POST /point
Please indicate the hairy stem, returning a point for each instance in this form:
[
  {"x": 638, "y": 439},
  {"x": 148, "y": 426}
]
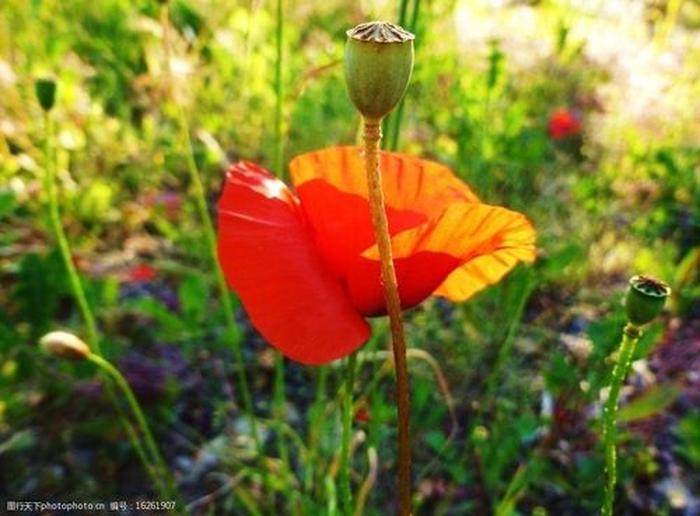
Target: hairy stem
[
  {"x": 630, "y": 337},
  {"x": 372, "y": 139},
  {"x": 345, "y": 462}
]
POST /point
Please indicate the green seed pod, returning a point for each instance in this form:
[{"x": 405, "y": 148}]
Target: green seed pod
[
  {"x": 45, "y": 90},
  {"x": 378, "y": 65},
  {"x": 64, "y": 345},
  {"x": 645, "y": 299}
]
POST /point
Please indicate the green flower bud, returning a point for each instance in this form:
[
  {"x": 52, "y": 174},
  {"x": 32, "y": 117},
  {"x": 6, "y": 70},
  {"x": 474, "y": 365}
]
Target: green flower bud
[
  {"x": 64, "y": 345},
  {"x": 645, "y": 299},
  {"x": 378, "y": 65},
  {"x": 45, "y": 90}
]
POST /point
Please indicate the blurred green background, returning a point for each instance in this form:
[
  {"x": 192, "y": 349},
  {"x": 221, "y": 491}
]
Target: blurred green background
[{"x": 523, "y": 363}]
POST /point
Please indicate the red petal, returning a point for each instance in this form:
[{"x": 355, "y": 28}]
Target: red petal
[
  {"x": 342, "y": 225},
  {"x": 269, "y": 259},
  {"x": 417, "y": 276}
]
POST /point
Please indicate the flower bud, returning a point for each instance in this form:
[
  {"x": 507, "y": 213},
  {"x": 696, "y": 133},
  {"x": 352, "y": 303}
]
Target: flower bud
[
  {"x": 645, "y": 299},
  {"x": 378, "y": 65},
  {"x": 45, "y": 90},
  {"x": 64, "y": 345}
]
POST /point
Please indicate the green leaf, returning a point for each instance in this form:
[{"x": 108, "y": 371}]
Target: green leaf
[
  {"x": 18, "y": 441},
  {"x": 160, "y": 313},
  {"x": 193, "y": 294},
  {"x": 8, "y": 203},
  {"x": 652, "y": 402},
  {"x": 689, "y": 433}
]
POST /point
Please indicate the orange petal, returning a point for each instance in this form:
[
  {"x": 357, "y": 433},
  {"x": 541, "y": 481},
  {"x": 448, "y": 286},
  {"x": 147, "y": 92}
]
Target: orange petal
[
  {"x": 270, "y": 260},
  {"x": 410, "y": 184},
  {"x": 487, "y": 242}
]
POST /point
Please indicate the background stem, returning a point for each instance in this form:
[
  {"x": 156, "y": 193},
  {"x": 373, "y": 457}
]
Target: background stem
[
  {"x": 630, "y": 337},
  {"x": 79, "y": 294},
  {"x": 372, "y": 139},
  {"x": 210, "y": 237},
  {"x": 279, "y": 390},
  {"x": 121, "y": 382},
  {"x": 315, "y": 428},
  {"x": 345, "y": 461}
]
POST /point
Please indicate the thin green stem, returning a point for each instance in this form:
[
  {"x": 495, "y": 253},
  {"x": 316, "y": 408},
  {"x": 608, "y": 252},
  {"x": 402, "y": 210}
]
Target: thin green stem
[
  {"x": 345, "y": 460},
  {"x": 403, "y": 8},
  {"x": 280, "y": 408},
  {"x": 121, "y": 382},
  {"x": 279, "y": 391},
  {"x": 62, "y": 240},
  {"x": 630, "y": 337},
  {"x": 505, "y": 350},
  {"x": 210, "y": 237},
  {"x": 315, "y": 429},
  {"x": 279, "y": 92},
  {"x": 79, "y": 293},
  {"x": 393, "y": 125}
]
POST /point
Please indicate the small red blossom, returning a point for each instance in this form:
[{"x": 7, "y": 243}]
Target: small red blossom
[
  {"x": 142, "y": 273},
  {"x": 563, "y": 124},
  {"x": 362, "y": 415},
  {"x": 305, "y": 264}
]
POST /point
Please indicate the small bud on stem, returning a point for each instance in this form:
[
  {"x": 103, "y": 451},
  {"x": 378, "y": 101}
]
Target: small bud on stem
[
  {"x": 45, "y": 90},
  {"x": 64, "y": 345}
]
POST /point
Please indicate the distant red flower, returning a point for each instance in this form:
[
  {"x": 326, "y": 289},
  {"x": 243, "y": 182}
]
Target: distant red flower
[
  {"x": 563, "y": 124},
  {"x": 362, "y": 415},
  {"x": 306, "y": 266},
  {"x": 142, "y": 273}
]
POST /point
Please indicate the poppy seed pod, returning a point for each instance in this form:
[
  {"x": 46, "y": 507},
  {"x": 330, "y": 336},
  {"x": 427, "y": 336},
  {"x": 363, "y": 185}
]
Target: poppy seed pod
[
  {"x": 45, "y": 90},
  {"x": 645, "y": 299},
  {"x": 378, "y": 65},
  {"x": 64, "y": 345}
]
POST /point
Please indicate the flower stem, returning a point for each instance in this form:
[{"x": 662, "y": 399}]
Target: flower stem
[
  {"x": 62, "y": 240},
  {"x": 279, "y": 391},
  {"x": 630, "y": 337},
  {"x": 121, "y": 382},
  {"x": 279, "y": 411},
  {"x": 372, "y": 139},
  {"x": 315, "y": 429},
  {"x": 279, "y": 92},
  {"x": 79, "y": 293},
  {"x": 345, "y": 462},
  {"x": 210, "y": 237},
  {"x": 393, "y": 125}
]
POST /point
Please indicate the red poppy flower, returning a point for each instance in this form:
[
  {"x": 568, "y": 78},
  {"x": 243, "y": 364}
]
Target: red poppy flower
[
  {"x": 563, "y": 124},
  {"x": 306, "y": 266},
  {"x": 142, "y": 273}
]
